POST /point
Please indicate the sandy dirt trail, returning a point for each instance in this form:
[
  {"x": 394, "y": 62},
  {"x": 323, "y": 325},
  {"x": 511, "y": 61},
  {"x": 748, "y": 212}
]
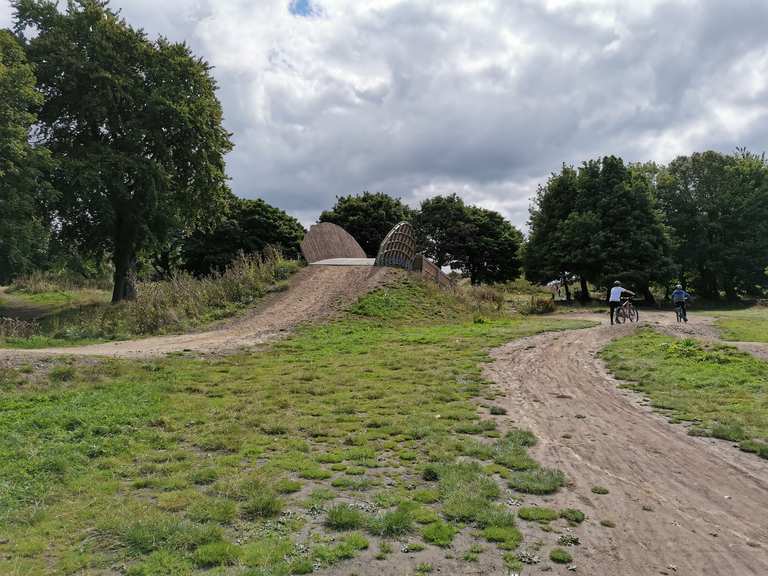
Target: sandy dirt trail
[
  {"x": 314, "y": 293},
  {"x": 682, "y": 505}
]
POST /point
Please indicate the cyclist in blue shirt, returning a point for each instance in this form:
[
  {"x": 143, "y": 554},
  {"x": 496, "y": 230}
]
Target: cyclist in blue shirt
[{"x": 679, "y": 298}]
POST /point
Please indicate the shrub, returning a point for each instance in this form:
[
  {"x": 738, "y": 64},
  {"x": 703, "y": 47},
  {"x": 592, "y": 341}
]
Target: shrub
[
  {"x": 560, "y": 556},
  {"x": 13, "y": 328},
  {"x": 538, "y": 305}
]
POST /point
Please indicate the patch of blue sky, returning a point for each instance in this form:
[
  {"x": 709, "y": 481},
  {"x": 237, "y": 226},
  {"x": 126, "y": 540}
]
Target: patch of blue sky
[{"x": 301, "y": 8}]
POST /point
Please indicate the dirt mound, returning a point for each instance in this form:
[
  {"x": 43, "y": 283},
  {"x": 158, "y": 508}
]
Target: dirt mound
[
  {"x": 314, "y": 293},
  {"x": 680, "y": 504}
]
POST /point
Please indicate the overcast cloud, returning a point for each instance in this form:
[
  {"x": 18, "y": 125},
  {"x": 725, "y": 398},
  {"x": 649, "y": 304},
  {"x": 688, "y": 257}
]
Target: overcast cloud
[{"x": 480, "y": 97}]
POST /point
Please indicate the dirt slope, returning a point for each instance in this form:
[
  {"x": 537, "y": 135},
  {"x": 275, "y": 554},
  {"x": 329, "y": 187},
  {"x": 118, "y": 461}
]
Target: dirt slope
[
  {"x": 682, "y": 505},
  {"x": 315, "y": 293}
]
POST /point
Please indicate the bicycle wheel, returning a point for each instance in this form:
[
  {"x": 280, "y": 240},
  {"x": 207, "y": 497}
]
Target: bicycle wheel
[
  {"x": 620, "y": 315},
  {"x": 679, "y": 313},
  {"x": 634, "y": 314}
]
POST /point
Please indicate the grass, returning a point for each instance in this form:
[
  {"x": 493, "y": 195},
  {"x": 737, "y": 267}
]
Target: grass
[
  {"x": 748, "y": 325},
  {"x": 537, "y": 514},
  {"x": 178, "y": 304},
  {"x": 718, "y": 389},
  {"x": 560, "y": 556},
  {"x": 180, "y": 466}
]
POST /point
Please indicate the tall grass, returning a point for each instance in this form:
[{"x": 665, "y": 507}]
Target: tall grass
[
  {"x": 180, "y": 303},
  {"x": 40, "y": 282}
]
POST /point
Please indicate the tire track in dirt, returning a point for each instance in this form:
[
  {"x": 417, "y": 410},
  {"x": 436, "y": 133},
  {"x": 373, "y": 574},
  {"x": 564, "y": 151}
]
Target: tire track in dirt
[
  {"x": 682, "y": 505},
  {"x": 314, "y": 293}
]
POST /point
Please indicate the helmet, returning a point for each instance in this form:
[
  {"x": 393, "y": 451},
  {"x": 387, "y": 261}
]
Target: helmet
[
  {"x": 679, "y": 286},
  {"x": 617, "y": 283}
]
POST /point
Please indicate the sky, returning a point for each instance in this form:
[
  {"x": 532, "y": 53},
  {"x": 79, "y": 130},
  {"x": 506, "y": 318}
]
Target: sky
[{"x": 483, "y": 98}]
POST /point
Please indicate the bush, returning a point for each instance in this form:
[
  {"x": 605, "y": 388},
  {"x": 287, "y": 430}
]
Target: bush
[
  {"x": 13, "y": 328},
  {"x": 538, "y": 305}
]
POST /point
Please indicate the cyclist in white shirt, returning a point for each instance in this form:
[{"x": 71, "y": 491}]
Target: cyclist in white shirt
[{"x": 614, "y": 297}]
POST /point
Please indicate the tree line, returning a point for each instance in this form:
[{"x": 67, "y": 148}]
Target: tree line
[{"x": 112, "y": 153}]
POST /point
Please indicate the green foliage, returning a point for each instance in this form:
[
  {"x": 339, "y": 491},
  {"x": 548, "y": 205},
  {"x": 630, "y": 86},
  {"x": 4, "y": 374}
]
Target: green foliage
[
  {"x": 717, "y": 206},
  {"x": 600, "y": 223},
  {"x": 537, "y": 514},
  {"x": 560, "y": 556},
  {"x": 507, "y": 537},
  {"x": 439, "y": 533},
  {"x": 394, "y": 523},
  {"x": 23, "y": 168},
  {"x": 572, "y": 515},
  {"x": 133, "y": 170},
  {"x": 479, "y": 242},
  {"x": 216, "y": 554},
  {"x": 345, "y": 517},
  {"x": 161, "y": 563},
  {"x": 249, "y": 227},
  {"x": 719, "y": 388},
  {"x": 368, "y": 217},
  {"x": 537, "y": 481},
  {"x": 600, "y": 490}
]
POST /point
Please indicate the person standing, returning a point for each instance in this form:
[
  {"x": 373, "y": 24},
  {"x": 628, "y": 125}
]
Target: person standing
[{"x": 614, "y": 297}]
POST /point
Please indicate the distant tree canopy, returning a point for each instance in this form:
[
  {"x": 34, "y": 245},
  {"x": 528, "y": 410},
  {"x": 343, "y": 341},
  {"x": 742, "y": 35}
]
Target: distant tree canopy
[
  {"x": 23, "y": 168},
  {"x": 368, "y": 217},
  {"x": 135, "y": 128},
  {"x": 717, "y": 206},
  {"x": 479, "y": 242},
  {"x": 249, "y": 226},
  {"x": 598, "y": 222}
]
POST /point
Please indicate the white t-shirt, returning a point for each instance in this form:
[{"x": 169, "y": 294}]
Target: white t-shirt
[{"x": 616, "y": 293}]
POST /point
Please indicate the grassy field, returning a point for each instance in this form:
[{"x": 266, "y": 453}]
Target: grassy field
[
  {"x": 724, "y": 392},
  {"x": 176, "y": 305},
  {"x": 749, "y": 325},
  {"x": 372, "y": 437}
]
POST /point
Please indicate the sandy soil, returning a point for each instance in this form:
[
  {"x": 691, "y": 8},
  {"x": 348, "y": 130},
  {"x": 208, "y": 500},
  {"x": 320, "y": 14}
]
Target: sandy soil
[
  {"x": 682, "y": 505},
  {"x": 315, "y": 293}
]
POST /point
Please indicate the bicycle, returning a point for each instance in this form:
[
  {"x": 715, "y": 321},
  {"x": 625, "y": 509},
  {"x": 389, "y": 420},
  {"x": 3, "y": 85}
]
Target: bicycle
[
  {"x": 627, "y": 311},
  {"x": 680, "y": 312}
]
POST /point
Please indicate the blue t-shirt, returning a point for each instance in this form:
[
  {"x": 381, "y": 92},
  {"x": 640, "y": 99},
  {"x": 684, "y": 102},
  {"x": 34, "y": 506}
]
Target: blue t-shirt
[{"x": 679, "y": 296}]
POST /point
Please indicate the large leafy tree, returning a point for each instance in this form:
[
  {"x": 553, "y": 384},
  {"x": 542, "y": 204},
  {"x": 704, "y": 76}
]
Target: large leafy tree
[
  {"x": 479, "y": 242},
  {"x": 368, "y": 217},
  {"x": 249, "y": 226},
  {"x": 599, "y": 222},
  {"x": 134, "y": 124},
  {"x": 717, "y": 206},
  {"x": 23, "y": 188}
]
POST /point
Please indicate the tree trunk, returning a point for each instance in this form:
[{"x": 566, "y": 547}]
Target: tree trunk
[
  {"x": 584, "y": 290},
  {"x": 710, "y": 284},
  {"x": 567, "y": 289},
  {"x": 648, "y": 295},
  {"x": 730, "y": 293},
  {"x": 124, "y": 259}
]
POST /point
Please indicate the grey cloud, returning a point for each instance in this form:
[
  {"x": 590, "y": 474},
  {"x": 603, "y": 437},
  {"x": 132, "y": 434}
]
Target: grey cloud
[{"x": 484, "y": 100}]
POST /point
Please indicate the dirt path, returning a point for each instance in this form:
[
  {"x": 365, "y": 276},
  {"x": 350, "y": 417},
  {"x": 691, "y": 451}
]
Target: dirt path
[
  {"x": 682, "y": 505},
  {"x": 315, "y": 293}
]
